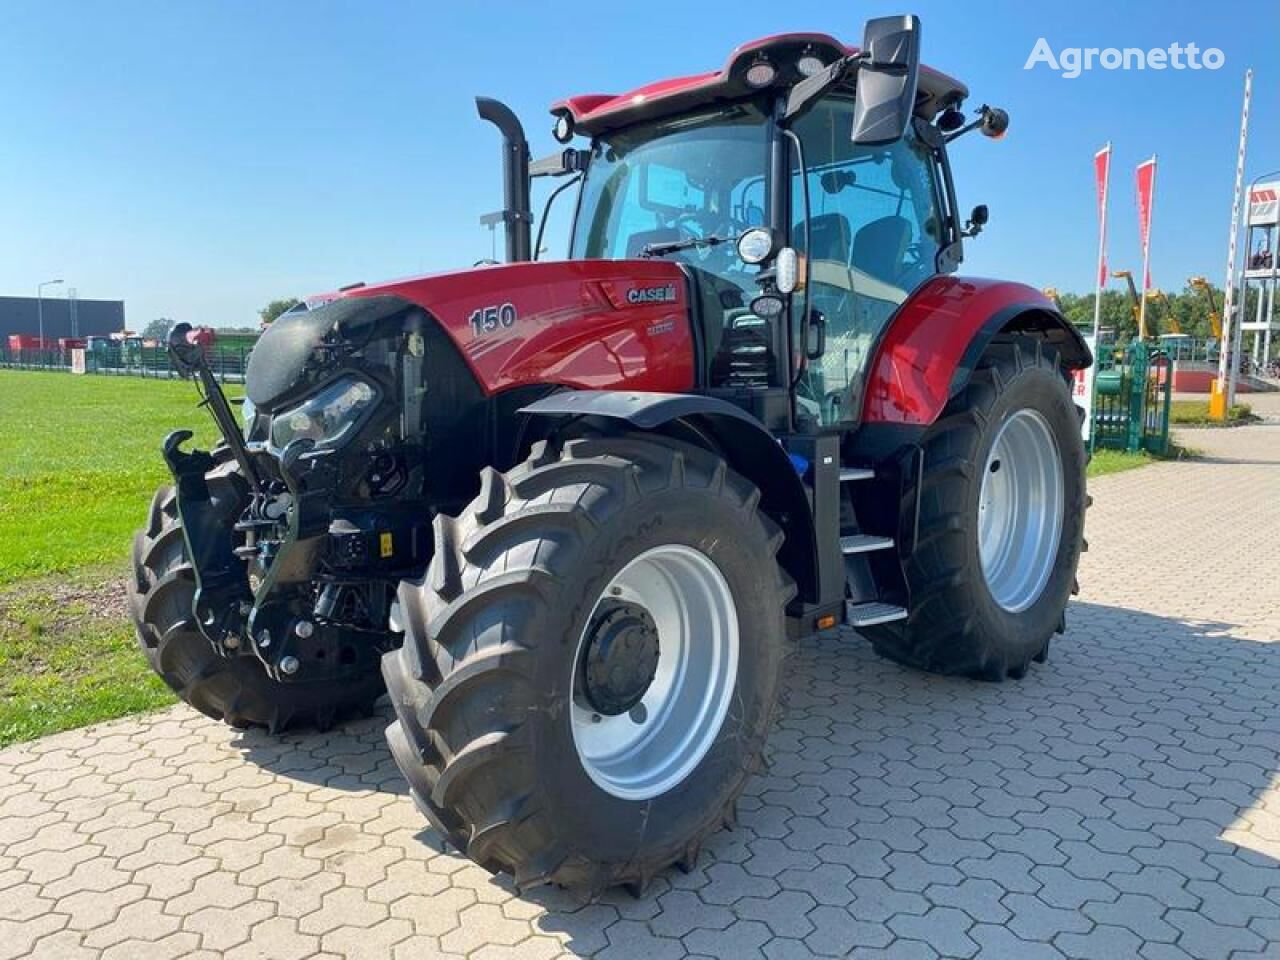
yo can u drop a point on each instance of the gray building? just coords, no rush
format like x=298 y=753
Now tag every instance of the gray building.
x=92 y=317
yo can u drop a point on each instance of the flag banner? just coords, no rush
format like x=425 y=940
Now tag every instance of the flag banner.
x=1146 y=196
x=1101 y=176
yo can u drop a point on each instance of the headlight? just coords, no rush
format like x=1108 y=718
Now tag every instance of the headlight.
x=327 y=417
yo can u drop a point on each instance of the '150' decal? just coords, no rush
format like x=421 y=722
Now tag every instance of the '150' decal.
x=488 y=320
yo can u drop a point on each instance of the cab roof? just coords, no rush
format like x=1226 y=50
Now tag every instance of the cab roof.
x=595 y=113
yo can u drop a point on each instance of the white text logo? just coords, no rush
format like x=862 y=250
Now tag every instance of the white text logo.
x=1072 y=61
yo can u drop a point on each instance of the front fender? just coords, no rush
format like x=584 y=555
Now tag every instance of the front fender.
x=936 y=338
x=744 y=442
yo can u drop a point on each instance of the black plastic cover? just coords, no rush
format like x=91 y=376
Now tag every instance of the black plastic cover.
x=278 y=363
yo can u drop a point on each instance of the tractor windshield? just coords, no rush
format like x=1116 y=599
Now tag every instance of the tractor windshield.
x=690 y=178
x=698 y=177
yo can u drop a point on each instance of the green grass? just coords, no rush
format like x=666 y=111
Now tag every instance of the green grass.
x=79 y=460
x=1106 y=462
x=1195 y=413
x=68 y=656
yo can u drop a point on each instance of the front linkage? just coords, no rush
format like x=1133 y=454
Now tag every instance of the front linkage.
x=259 y=589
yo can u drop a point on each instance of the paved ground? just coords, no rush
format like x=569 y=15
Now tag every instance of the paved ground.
x=1122 y=801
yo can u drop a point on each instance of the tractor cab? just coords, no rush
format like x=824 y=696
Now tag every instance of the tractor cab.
x=741 y=172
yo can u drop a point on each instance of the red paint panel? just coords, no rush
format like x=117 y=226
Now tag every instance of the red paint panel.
x=912 y=370
x=594 y=111
x=581 y=323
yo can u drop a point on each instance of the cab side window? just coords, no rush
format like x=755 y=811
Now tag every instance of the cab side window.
x=875 y=230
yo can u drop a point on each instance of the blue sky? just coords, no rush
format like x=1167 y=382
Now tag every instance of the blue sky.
x=199 y=159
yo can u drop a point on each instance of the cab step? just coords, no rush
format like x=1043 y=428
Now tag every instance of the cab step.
x=869 y=614
x=848 y=474
x=863 y=543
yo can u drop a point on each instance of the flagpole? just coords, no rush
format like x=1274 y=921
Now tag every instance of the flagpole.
x=1100 y=277
x=1146 y=253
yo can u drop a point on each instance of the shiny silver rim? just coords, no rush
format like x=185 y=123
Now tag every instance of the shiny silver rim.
x=653 y=747
x=1020 y=510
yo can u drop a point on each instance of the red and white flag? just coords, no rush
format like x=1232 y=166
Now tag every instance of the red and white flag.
x=1102 y=176
x=1146 y=199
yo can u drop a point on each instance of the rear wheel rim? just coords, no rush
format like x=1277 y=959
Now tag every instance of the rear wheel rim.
x=650 y=749
x=1020 y=508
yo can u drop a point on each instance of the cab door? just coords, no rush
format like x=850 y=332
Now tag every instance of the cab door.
x=875 y=228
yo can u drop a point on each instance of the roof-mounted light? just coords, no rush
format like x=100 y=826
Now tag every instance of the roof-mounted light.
x=761 y=73
x=563 y=130
x=809 y=63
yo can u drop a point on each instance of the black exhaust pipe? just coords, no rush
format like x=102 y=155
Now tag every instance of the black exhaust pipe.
x=515 y=178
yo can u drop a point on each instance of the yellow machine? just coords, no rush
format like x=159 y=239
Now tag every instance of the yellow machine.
x=1170 y=319
x=1215 y=317
x=1217 y=397
x=1134 y=300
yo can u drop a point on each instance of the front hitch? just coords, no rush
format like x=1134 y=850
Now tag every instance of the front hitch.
x=223 y=598
x=190 y=360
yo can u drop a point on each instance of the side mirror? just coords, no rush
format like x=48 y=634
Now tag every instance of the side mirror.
x=994 y=123
x=888 y=73
x=978 y=218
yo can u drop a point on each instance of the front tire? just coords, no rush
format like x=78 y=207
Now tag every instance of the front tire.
x=236 y=690
x=636 y=544
x=1002 y=506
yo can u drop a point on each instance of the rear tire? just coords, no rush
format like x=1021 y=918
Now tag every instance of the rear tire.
x=489 y=685
x=236 y=690
x=992 y=621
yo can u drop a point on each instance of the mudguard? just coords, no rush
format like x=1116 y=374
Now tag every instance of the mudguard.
x=744 y=441
x=937 y=336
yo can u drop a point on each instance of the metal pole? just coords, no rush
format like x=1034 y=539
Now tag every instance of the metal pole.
x=40 y=314
x=1226 y=383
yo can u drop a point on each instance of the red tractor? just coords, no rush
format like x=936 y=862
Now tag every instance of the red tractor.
x=578 y=510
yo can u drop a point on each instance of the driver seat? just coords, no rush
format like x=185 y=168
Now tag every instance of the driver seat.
x=880 y=247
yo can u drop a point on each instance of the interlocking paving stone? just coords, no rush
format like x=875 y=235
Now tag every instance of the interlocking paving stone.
x=1120 y=801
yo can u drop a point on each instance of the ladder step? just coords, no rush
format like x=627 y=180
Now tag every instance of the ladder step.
x=864 y=543
x=856 y=473
x=869 y=614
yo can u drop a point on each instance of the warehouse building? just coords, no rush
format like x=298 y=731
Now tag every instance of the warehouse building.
x=62 y=317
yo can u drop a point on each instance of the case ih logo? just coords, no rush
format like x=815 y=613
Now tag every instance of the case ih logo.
x=663 y=294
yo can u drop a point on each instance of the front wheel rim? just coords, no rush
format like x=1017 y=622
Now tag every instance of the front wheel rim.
x=1020 y=509
x=651 y=748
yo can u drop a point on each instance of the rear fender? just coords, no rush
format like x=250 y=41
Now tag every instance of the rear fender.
x=747 y=446
x=937 y=337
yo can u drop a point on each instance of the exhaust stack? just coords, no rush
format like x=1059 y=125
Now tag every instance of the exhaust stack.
x=515 y=177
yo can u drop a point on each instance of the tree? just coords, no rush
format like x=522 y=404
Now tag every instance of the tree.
x=157 y=329
x=277 y=307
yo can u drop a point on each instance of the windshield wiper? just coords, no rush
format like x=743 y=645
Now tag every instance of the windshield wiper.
x=671 y=246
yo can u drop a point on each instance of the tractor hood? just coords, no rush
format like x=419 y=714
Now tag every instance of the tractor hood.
x=582 y=324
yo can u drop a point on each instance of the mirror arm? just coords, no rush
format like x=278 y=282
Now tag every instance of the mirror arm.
x=546 y=211
x=809 y=90
x=559 y=164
